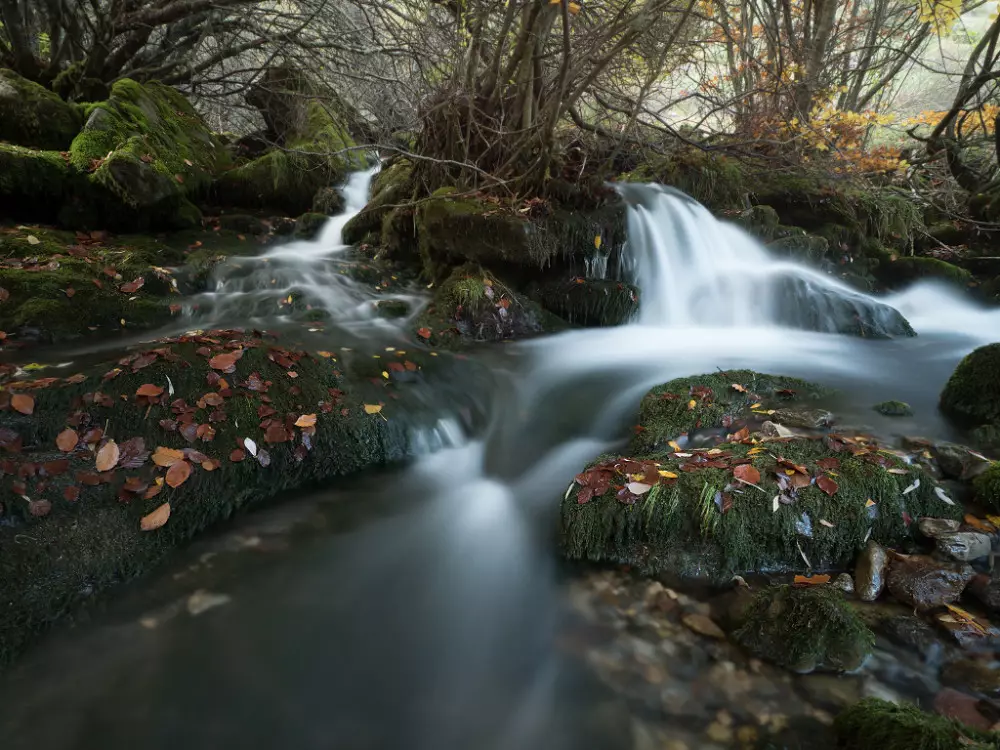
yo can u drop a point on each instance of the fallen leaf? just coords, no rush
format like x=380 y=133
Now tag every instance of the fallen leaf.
x=306 y=420
x=167 y=456
x=178 y=473
x=373 y=408
x=23 y=403
x=107 y=456
x=747 y=473
x=40 y=508
x=943 y=496
x=71 y=493
x=667 y=474
x=638 y=488
x=424 y=333
x=155 y=519
x=912 y=487
x=66 y=440
x=222 y=361
x=251 y=446
x=828 y=485
x=33 y=240
x=811 y=580
x=237 y=455
x=739 y=388
x=133 y=286
x=149 y=390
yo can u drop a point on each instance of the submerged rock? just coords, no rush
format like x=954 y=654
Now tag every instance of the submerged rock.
x=924 y=582
x=870 y=570
x=806 y=629
x=964 y=545
x=972 y=674
x=986 y=588
x=894 y=409
x=913 y=633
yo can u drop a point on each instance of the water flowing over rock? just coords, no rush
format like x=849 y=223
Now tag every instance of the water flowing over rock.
x=869 y=572
x=694 y=270
x=924 y=582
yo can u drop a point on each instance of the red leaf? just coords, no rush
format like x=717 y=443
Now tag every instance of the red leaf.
x=747 y=473
x=827 y=484
x=237 y=455
x=72 y=493
x=424 y=333
x=133 y=286
x=149 y=390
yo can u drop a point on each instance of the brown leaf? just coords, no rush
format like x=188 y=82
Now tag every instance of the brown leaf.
x=213 y=399
x=155 y=519
x=23 y=403
x=40 y=508
x=72 y=493
x=70 y=292
x=237 y=455
x=223 y=362
x=154 y=489
x=133 y=453
x=276 y=433
x=827 y=484
x=149 y=390
x=306 y=420
x=830 y=464
x=167 y=456
x=811 y=580
x=178 y=473
x=206 y=432
x=66 y=440
x=133 y=286
x=211 y=464
x=107 y=456
x=4 y=294
x=747 y=473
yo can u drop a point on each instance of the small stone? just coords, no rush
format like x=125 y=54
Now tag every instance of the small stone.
x=933 y=527
x=703 y=625
x=845 y=583
x=956 y=462
x=894 y=409
x=720 y=733
x=870 y=570
x=964 y=545
x=924 y=582
x=832 y=691
x=809 y=419
x=912 y=632
x=961 y=707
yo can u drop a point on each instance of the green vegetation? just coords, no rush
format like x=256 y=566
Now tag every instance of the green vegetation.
x=905 y=270
x=33 y=184
x=971 y=395
x=33 y=116
x=805 y=629
x=875 y=724
x=588 y=302
x=894 y=409
x=987 y=486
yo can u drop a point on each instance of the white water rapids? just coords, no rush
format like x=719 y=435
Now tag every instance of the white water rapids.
x=432 y=629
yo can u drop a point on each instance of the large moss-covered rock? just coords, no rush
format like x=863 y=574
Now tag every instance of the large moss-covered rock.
x=805 y=630
x=147 y=154
x=391 y=187
x=908 y=269
x=972 y=393
x=31 y=115
x=81 y=530
x=875 y=724
x=314 y=148
x=588 y=302
x=33 y=184
x=690 y=513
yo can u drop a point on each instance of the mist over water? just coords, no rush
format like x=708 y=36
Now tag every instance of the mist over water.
x=431 y=627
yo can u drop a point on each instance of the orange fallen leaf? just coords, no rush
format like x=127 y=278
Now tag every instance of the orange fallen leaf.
x=107 y=456
x=23 y=403
x=747 y=473
x=148 y=389
x=222 y=361
x=739 y=388
x=306 y=420
x=167 y=456
x=178 y=473
x=811 y=580
x=827 y=484
x=66 y=440
x=155 y=519
x=424 y=333
x=373 y=408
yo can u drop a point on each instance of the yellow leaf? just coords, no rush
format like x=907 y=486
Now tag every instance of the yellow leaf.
x=325 y=355
x=755 y=451
x=306 y=420
x=33 y=240
x=869 y=503
x=739 y=388
x=667 y=474
x=573 y=8
x=385 y=374
x=674 y=445
x=155 y=519
x=597 y=242
x=373 y=408
x=995 y=520
x=692 y=403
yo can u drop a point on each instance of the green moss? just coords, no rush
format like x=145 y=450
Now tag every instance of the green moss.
x=801 y=246
x=391 y=187
x=713 y=179
x=309 y=225
x=805 y=629
x=588 y=302
x=874 y=724
x=971 y=395
x=894 y=409
x=987 y=486
x=909 y=269
x=31 y=115
x=33 y=184
x=760 y=221
x=664 y=413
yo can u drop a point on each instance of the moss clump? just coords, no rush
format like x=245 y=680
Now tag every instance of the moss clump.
x=894 y=409
x=392 y=186
x=309 y=225
x=987 y=486
x=588 y=302
x=805 y=629
x=147 y=153
x=801 y=246
x=665 y=414
x=874 y=724
x=971 y=395
x=33 y=184
x=905 y=270
x=716 y=180
x=31 y=115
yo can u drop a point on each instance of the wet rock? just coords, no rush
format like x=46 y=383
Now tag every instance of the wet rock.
x=971 y=396
x=832 y=691
x=924 y=582
x=805 y=629
x=807 y=419
x=932 y=527
x=964 y=545
x=773 y=429
x=308 y=225
x=875 y=724
x=976 y=635
x=329 y=201
x=911 y=632
x=845 y=583
x=961 y=707
x=894 y=409
x=986 y=589
x=956 y=462
x=703 y=625
x=972 y=674
x=244 y=223
x=870 y=570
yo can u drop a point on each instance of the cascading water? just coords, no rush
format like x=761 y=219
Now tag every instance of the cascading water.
x=297 y=280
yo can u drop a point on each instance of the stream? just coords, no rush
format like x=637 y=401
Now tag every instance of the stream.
x=423 y=607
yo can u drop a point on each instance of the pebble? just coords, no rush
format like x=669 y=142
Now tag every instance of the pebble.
x=870 y=570
x=718 y=732
x=844 y=582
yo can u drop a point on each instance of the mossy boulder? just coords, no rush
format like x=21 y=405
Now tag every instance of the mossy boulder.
x=31 y=115
x=760 y=221
x=909 y=269
x=392 y=186
x=718 y=181
x=328 y=201
x=309 y=225
x=588 y=302
x=807 y=248
x=894 y=409
x=874 y=724
x=805 y=629
x=987 y=486
x=147 y=155
x=33 y=184
x=313 y=150
x=972 y=394
x=81 y=530
x=685 y=507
